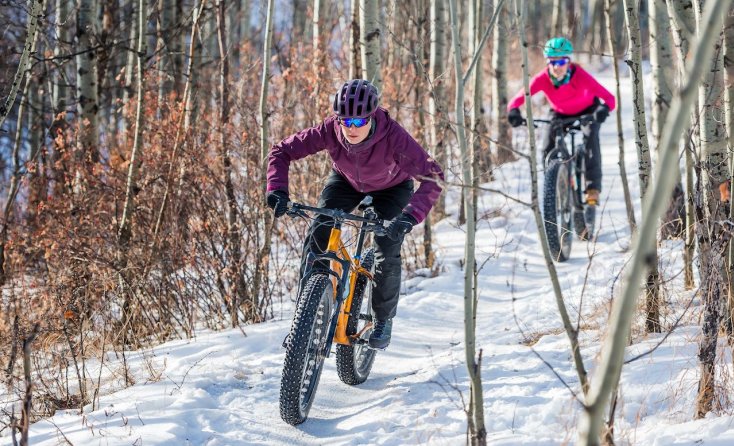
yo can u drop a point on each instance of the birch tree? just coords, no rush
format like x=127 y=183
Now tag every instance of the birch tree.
x=355 y=59
x=606 y=376
x=652 y=287
x=571 y=332
x=59 y=92
x=683 y=28
x=28 y=49
x=86 y=90
x=25 y=57
x=236 y=281
x=477 y=429
x=502 y=130
x=620 y=130
x=661 y=59
x=710 y=233
x=729 y=67
x=437 y=99
x=369 y=42
x=125 y=230
x=264 y=254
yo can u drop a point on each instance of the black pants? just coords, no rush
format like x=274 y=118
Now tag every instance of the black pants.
x=388 y=203
x=591 y=143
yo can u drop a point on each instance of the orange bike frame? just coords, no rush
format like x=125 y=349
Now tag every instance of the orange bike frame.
x=337 y=247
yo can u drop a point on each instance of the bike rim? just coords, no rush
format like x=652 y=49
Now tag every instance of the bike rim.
x=563 y=208
x=315 y=352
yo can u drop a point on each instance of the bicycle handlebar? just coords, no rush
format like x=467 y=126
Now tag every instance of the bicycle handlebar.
x=374 y=224
x=574 y=121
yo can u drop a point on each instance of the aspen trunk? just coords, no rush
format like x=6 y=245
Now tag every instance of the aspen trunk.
x=125 y=230
x=264 y=254
x=729 y=67
x=652 y=284
x=682 y=27
x=502 y=128
x=29 y=48
x=369 y=42
x=437 y=99
x=476 y=425
x=25 y=57
x=355 y=65
x=236 y=282
x=710 y=233
x=88 y=108
x=620 y=131
x=606 y=376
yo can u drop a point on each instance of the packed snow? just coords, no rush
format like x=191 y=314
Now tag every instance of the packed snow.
x=222 y=388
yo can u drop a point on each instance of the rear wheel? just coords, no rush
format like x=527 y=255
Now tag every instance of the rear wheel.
x=558 y=209
x=304 y=356
x=354 y=362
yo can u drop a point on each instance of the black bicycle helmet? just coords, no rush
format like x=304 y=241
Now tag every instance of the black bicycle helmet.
x=357 y=98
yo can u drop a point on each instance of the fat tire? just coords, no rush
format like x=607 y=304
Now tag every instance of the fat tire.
x=557 y=229
x=317 y=292
x=354 y=362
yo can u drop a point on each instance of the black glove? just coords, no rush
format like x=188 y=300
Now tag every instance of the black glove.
x=515 y=117
x=601 y=112
x=400 y=225
x=278 y=201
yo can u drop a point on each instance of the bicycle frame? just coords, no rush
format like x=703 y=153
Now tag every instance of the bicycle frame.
x=564 y=127
x=344 y=269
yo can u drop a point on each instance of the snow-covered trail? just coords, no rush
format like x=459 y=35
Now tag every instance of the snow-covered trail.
x=222 y=388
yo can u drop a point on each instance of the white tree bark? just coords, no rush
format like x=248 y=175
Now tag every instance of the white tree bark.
x=86 y=61
x=355 y=59
x=125 y=230
x=25 y=57
x=477 y=429
x=502 y=128
x=60 y=94
x=606 y=376
x=620 y=131
x=264 y=136
x=652 y=289
x=369 y=42
x=683 y=27
x=661 y=60
x=437 y=99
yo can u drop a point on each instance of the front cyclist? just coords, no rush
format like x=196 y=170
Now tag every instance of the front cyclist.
x=371 y=154
x=571 y=92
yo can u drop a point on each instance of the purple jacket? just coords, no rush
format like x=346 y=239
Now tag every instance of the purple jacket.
x=389 y=157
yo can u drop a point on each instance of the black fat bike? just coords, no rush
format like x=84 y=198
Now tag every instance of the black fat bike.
x=334 y=305
x=563 y=188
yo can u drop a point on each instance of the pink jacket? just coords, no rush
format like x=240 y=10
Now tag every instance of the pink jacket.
x=568 y=99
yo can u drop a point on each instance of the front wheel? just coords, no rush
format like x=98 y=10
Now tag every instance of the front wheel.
x=304 y=356
x=354 y=362
x=558 y=209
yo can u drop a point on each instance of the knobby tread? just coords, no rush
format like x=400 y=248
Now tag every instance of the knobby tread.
x=297 y=348
x=345 y=361
x=550 y=212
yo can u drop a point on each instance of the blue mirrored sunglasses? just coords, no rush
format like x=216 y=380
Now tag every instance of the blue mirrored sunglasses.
x=558 y=62
x=356 y=122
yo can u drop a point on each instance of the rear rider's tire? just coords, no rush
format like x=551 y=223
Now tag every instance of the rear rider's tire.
x=354 y=362
x=304 y=356
x=558 y=209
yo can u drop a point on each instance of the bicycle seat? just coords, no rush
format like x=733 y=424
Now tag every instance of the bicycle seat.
x=365 y=203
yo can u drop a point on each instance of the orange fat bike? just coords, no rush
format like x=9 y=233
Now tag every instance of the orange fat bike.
x=334 y=306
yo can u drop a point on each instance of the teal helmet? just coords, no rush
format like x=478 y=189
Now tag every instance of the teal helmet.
x=558 y=47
